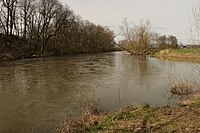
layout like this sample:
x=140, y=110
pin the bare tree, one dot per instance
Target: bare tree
x=46, y=26
x=7, y=18
x=26, y=8
x=195, y=24
x=137, y=36
x=50, y=10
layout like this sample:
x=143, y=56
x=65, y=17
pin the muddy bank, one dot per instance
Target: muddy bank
x=185, y=118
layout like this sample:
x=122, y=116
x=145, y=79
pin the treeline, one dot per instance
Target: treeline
x=46, y=27
x=164, y=41
x=139, y=39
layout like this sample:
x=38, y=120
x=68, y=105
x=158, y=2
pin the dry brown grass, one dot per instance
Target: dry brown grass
x=182, y=85
x=192, y=100
x=164, y=53
x=179, y=53
x=181, y=88
x=145, y=119
x=78, y=124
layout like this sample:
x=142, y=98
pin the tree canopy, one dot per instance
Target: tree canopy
x=37, y=27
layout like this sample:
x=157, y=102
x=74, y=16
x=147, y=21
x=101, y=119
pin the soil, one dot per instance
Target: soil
x=185, y=118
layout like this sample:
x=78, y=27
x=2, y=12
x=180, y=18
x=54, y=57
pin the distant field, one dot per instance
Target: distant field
x=189, y=50
x=190, y=53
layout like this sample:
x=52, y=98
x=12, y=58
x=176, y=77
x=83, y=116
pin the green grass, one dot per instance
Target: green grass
x=184, y=51
x=142, y=119
x=110, y=119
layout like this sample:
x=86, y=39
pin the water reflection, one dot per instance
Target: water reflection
x=37, y=94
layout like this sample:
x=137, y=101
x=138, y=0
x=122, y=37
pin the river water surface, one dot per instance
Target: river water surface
x=37, y=94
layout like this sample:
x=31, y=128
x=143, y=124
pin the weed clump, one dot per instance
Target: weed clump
x=181, y=88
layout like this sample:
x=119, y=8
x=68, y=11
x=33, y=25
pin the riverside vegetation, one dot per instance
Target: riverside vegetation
x=184, y=53
x=32, y=28
x=184, y=118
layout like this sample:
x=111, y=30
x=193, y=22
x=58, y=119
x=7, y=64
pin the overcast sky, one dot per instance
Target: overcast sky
x=170, y=17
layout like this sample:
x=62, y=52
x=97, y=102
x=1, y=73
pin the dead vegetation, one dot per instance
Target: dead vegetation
x=181, y=88
x=143, y=119
x=182, y=85
x=183, y=118
x=190, y=53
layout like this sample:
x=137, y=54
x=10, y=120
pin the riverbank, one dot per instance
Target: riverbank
x=10, y=56
x=190, y=53
x=184, y=118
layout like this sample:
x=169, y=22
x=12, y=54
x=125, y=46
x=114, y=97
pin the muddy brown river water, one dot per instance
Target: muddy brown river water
x=36, y=95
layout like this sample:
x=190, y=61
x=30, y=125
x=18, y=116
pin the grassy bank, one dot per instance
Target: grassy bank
x=191, y=53
x=185, y=118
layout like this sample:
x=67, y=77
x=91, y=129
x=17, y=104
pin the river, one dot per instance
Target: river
x=36, y=95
